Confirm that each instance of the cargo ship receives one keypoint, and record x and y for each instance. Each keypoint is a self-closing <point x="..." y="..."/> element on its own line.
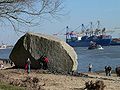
<point x="84" y="38"/>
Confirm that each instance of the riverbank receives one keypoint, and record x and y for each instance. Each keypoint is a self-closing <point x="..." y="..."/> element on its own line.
<point x="44" y="80"/>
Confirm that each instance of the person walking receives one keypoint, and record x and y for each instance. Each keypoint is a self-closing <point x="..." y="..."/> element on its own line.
<point x="117" y="70"/>
<point x="109" y="70"/>
<point x="106" y="70"/>
<point x="90" y="67"/>
<point x="28" y="65"/>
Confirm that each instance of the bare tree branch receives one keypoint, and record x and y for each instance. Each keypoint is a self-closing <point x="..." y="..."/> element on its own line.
<point x="25" y="11"/>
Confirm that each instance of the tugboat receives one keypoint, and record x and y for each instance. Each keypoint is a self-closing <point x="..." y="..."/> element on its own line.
<point x="84" y="38"/>
<point x="93" y="45"/>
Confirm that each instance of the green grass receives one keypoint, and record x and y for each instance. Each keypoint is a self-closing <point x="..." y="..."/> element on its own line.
<point x="4" y="86"/>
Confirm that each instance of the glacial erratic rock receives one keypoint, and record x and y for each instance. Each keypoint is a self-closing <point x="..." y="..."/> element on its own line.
<point x="62" y="57"/>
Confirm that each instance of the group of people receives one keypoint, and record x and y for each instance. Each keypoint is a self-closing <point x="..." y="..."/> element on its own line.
<point x="3" y="63"/>
<point x="43" y="59"/>
<point x="108" y="69"/>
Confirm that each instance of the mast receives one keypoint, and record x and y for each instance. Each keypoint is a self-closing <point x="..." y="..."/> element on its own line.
<point x="67" y="33"/>
<point x="67" y="29"/>
<point x="83" y="28"/>
<point x="97" y="30"/>
<point x="98" y="24"/>
<point x="91" y="28"/>
<point x="83" y="32"/>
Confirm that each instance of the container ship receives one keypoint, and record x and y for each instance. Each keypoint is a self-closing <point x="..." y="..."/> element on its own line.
<point x="83" y="39"/>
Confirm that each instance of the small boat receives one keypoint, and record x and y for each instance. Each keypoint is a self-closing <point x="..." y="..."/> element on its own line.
<point x="115" y="41"/>
<point x="3" y="46"/>
<point x="93" y="45"/>
<point x="100" y="47"/>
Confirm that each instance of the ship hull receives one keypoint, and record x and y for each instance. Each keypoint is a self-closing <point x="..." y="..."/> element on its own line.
<point x="81" y="43"/>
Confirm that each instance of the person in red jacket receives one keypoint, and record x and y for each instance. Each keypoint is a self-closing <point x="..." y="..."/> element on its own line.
<point x="45" y="63"/>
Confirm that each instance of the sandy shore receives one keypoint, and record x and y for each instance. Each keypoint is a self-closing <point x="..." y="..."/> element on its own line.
<point x="49" y="81"/>
<point x="44" y="80"/>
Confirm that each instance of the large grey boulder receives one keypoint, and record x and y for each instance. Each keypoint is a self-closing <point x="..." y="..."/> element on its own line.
<point x="62" y="57"/>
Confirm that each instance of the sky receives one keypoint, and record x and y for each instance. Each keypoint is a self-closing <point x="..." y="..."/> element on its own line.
<point x="75" y="13"/>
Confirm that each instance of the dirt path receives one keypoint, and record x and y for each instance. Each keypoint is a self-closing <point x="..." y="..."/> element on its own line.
<point x="48" y="81"/>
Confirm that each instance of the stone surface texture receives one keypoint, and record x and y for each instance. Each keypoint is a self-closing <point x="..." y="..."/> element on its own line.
<point x="62" y="57"/>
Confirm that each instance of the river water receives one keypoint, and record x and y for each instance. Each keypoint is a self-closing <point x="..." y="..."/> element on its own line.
<point x="4" y="53"/>
<point x="110" y="55"/>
